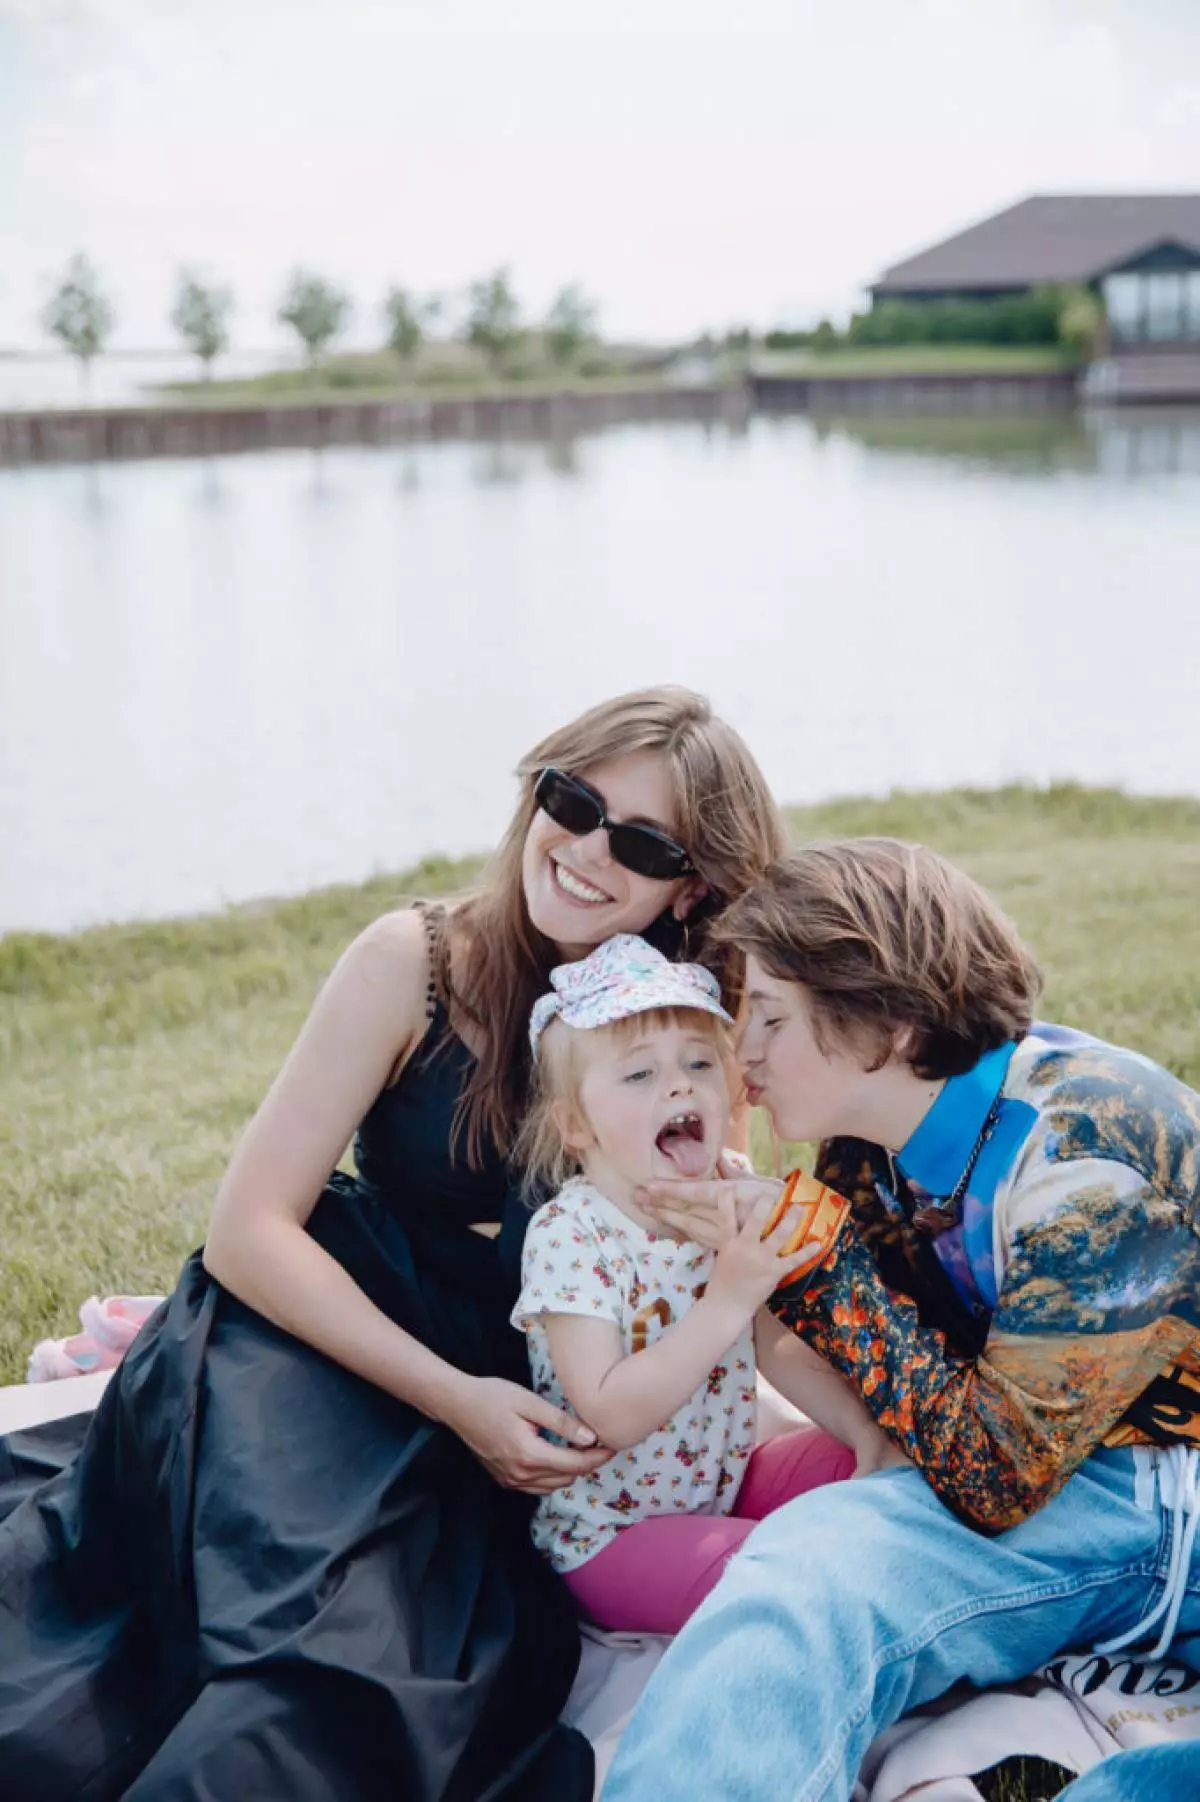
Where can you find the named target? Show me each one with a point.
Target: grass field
(132, 1056)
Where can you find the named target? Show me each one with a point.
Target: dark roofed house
(1139, 252)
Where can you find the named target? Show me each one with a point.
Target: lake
(244, 677)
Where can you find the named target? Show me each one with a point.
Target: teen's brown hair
(888, 937)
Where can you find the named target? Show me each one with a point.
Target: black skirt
(250, 1575)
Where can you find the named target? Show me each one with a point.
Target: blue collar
(936, 1154)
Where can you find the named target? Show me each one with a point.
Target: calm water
(229, 679)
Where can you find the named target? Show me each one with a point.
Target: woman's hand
(501, 1423)
(711, 1212)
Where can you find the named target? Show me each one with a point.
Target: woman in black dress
(288, 1557)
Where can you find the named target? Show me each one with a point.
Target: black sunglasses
(578, 809)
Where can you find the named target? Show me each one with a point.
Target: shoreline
(122, 434)
(1108, 808)
(186, 427)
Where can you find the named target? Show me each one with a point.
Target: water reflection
(562, 455)
(1166, 442)
(222, 678)
(500, 463)
(1121, 443)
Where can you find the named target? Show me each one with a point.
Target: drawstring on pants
(1178, 1474)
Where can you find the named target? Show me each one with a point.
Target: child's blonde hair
(541, 1152)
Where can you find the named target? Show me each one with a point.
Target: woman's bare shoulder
(387, 964)
(398, 935)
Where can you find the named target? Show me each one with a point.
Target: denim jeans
(857, 1603)
(1149, 1774)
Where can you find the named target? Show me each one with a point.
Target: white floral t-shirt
(584, 1256)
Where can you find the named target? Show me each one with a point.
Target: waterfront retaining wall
(1032, 392)
(120, 433)
(116, 434)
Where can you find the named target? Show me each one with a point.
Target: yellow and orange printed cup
(820, 1212)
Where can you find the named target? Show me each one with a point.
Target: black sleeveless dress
(261, 1579)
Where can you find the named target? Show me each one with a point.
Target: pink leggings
(657, 1572)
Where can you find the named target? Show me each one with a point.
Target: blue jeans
(1149, 1774)
(857, 1603)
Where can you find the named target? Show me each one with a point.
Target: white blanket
(1074, 1712)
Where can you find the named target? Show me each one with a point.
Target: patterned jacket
(1062, 1314)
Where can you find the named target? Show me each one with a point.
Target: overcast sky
(691, 163)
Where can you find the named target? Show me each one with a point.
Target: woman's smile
(575, 887)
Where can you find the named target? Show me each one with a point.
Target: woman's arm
(369, 1015)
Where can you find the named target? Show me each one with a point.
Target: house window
(1191, 283)
(1123, 304)
(1164, 305)
(1155, 306)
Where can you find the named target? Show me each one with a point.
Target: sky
(693, 165)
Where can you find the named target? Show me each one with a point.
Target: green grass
(320, 393)
(1022, 1780)
(918, 359)
(132, 1056)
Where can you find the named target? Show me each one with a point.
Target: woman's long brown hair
(726, 818)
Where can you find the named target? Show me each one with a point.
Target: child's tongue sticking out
(682, 1141)
(631, 1052)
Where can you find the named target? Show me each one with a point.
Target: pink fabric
(656, 1573)
(110, 1326)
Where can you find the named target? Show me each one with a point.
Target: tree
(79, 314)
(569, 327)
(201, 317)
(407, 318)
(494, 318)
(787, 337)
(1080, 322)
(315, 310)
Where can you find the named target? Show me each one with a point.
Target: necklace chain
(936, 1217)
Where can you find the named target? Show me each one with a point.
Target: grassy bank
(319, 392)
(442, 369)
(131, 1056)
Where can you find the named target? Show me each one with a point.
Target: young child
(648, 1340)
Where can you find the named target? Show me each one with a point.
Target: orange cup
(820, 1212)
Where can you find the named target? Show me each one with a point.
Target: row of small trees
(81, 317)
